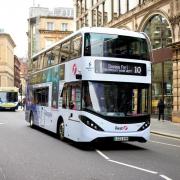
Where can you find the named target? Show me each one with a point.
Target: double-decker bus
(93, 85)
(8, 98)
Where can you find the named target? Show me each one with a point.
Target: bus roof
(8, 89)
(105, 30)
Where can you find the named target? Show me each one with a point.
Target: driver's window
(72, 96)
(86, 99)
(75, 96)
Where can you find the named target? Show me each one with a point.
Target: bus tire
(31, 120)
(60, 130)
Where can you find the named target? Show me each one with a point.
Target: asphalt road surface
(34, 154)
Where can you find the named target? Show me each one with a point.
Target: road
(33, 154)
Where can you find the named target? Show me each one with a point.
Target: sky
(14, 15)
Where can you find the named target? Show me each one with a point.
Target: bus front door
(41, 116)
(72, 104)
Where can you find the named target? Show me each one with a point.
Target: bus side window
(35, 64)
(36, 98)
(76, 46)
(41, 96)
(65, 50)
(44, 96)
(55, 52)
(64, 98)
(49, 59)
(41, 58)
(45, 62)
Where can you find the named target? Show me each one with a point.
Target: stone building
(23, 73)
(46, 27)
(160, 19)
(17, 64)
(7, 46)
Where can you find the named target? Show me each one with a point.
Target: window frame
(68, 42)
(68, 96)
(50, 26)
(64, 26)
(39, 98)
(73, 39)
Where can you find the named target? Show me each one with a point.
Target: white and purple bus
(93, 85)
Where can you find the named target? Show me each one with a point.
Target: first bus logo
(74, 69)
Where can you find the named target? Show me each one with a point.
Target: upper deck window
(118, 46)
(65, 51)
(76, 45)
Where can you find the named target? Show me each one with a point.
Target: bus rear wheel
(61, 131)
(31, 121)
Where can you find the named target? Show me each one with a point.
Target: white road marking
(135, 167)
(165, 144)
(131, 166)
(168, 137)
(101, 154)
(128, 165)
(165, 177)
(1, 172)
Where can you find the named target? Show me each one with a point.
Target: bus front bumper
(90, 135)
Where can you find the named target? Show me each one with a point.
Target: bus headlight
(145, 125)
(90, 123)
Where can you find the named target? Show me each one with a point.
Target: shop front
(158, 29)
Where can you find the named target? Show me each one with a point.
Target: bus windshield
(116, 99)
(117, 46)
(8, 97)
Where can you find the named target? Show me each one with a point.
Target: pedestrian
(23, 102)
(161, 107)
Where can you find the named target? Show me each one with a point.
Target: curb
(18, 110)
(166, 134)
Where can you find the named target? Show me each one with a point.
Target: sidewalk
(165, 128)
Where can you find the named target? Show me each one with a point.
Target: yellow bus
(9, 98)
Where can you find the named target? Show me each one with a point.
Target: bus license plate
(121, 138)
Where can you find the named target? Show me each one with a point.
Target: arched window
(158, 30)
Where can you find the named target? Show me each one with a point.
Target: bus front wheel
(61, 131)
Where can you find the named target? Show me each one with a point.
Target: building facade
(160, 19)
(23, 74)
(17, 64)
(7, 46)
(47, 27)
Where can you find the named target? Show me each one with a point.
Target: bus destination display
(112, 67)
